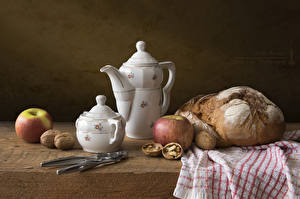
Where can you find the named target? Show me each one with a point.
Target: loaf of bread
(239, 116)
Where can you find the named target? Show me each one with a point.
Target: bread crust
(239, 116)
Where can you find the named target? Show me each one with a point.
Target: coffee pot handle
(167, 89)
(116, 124)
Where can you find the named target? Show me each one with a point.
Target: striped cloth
(266, 171)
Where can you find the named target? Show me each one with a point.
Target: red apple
(32, 123)
(173, 128)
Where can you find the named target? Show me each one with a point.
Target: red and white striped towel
(266, 171)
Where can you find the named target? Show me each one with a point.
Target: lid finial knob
(140, 46)
(100, 99)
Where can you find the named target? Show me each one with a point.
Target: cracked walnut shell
(172, 151)
(152, 149)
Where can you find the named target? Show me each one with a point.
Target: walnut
(172, 151)
(47, 138)
(205, 140)
(64, 141)
(152, 149)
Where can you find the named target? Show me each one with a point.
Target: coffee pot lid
(141, 57)
(101, 111)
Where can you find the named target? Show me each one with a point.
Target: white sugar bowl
(100, 129)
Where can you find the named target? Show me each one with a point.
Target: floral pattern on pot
(144, 104)
(99, 127)
(87, 138)
(154, 77)
(130, 75)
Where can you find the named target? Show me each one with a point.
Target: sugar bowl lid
(100, 111)
(141, 57)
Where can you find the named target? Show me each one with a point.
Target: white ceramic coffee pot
(137, 89)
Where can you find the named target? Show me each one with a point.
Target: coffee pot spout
(123, 90)
(119, 82)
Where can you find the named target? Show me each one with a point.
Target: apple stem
(33, 113)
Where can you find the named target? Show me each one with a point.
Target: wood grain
(137, 177)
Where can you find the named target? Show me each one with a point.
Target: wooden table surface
(137, 177)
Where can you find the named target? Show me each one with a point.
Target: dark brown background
(51, 50)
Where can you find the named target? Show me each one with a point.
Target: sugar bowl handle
(116, 125)
(167, 89)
